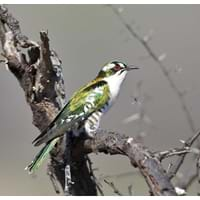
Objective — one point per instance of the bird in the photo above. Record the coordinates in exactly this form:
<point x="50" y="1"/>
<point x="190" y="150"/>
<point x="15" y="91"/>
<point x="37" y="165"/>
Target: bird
<point x="83" y="112"/>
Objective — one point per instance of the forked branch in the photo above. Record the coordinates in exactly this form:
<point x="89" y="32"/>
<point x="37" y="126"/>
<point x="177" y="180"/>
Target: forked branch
<point x="40" y="76"/>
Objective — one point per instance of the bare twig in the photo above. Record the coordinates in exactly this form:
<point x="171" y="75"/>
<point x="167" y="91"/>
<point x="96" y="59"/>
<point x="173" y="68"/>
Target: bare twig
<point x="99" y="188"/>
<point x="144" y="41"/>
<point x="169" y="167"/>
<point x="130" y="190"/>
<point x="96" y="180"/>
<point x="198" y="168"/>
<point x="172" y="152"/>
<point x="53" y="179"/>
<point x="149" y="166"/>
<point x="112" y="185"/>
<point x="183" y="181"/>
<point x="186" y="179"/>
<point x="121" y="175"/>
<point x="163" y="68"/>
<point x="187" y="144"/>
<point x="40" y="76"/>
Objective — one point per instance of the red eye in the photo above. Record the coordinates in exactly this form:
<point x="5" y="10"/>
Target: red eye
<point x="117" y="68"/>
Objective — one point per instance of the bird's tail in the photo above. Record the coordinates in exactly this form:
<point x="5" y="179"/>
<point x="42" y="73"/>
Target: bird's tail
<point x="41" y="156"/>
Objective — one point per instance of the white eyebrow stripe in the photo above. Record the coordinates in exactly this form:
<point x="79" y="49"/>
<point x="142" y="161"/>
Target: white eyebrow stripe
<point x="121" y="65"/>
<point x="108" y="66"/>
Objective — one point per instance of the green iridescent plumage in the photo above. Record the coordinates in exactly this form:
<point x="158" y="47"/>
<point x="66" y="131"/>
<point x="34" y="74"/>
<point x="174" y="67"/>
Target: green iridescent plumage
<point x="41" y="156"/>
<point x="74" y="111"/>
<point x="71" y="111"/>
<point x="84" y="109"/>
<point x="110" y="71"/>
<point x="78" y="100"/>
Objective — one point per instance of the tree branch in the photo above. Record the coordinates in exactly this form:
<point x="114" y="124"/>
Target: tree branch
<point x="186" y="179"/>
<point x="187" y="144"/>
<point x="144" y="41"/>
<point x="40" y="76"/>
<point x="115" y="143"/>
<point x="112" y="185"/>
<point x="163" y="68"/>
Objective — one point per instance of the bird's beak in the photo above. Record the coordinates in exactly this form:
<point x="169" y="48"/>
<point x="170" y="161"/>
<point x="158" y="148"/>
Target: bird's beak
<point x="129" y="68"/>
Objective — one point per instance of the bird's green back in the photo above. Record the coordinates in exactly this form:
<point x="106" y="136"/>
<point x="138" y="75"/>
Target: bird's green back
<point x="79" y="99"/>
<point x="74" y="111"/>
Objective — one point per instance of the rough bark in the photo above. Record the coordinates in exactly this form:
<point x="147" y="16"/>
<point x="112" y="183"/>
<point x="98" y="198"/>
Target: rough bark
<point x="40" y="76"/>
<point x="149" y="166"/>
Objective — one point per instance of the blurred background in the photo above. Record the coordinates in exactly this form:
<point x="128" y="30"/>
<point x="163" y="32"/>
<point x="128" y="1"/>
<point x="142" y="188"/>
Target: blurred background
<point x="85" y="38"/>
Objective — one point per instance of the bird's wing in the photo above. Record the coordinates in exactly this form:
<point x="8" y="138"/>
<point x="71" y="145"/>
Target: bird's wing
<point x="82" y="104"/>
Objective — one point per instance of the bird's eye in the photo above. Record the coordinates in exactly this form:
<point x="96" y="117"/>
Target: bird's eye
<point x="117" y="68"/>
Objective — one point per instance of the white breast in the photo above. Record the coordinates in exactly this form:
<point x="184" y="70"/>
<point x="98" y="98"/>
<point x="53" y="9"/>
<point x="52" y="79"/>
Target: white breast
<point x="114" y="83"/>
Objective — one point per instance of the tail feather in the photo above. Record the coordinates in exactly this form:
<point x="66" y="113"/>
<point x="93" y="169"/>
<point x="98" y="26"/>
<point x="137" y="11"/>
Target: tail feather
<point x="45" y="138"/>
<point x="40" y="137"/>
<point x="41" y="156"/>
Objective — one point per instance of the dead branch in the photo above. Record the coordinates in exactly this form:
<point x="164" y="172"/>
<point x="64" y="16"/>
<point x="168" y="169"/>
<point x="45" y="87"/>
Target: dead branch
<point x="40" y="76"/>
<point x="130" y="190"/>
<point x="172" y="152"/>
<point x="186" y="179"/>
<point x="115" y="143"/>
<point x="187" y="144"/>
<point x="198" y="167"/>
<point x="183" y="181"/>
<point x="112" y="185"/>
<point x="144" y="41"/>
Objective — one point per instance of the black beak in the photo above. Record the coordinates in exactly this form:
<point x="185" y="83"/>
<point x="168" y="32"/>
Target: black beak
<point x="129" y="68"/>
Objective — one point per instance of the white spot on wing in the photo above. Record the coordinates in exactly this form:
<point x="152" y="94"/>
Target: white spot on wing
<point x="68" y="120"/>
<point x="98" y="90"/>
<point x="91" y="98"/>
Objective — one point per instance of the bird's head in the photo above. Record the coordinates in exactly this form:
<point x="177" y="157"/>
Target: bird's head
<point x="115" y="69"/>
